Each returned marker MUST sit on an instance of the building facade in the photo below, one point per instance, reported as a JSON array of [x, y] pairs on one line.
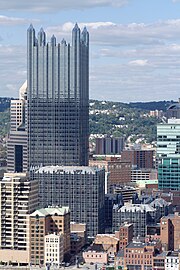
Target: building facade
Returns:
[[170, 231], [79, 187], [168, 154], [57, 99], [17, 139], [125, 234], [140, 215], [119, 173], [45, 222], [18, 198], [140, 159], [54, 249], [109, 145]]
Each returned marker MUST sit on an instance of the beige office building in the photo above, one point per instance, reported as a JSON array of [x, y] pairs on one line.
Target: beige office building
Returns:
[[47, 221], [18, 198], [54, 249]]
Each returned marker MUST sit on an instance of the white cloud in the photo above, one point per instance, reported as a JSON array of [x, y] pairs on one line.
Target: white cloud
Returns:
[[139, 62], [13, 69], [54, 5], [111, 34], [12, 21], [125, 60]]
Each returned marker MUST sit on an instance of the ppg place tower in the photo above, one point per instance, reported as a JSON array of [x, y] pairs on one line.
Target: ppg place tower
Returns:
[[57, 99]]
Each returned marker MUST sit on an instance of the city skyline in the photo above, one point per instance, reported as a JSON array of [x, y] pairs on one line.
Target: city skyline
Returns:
[[136, 40]]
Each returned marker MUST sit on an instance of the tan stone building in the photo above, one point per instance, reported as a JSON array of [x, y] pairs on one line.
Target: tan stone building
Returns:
[[18, 198], [109, 243], [47, 221]]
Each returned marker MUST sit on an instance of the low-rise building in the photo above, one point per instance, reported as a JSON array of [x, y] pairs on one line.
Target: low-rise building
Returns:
[[95, 254], [78, 236], [125, 235], [54, 249], [110, 244], [139, 255], [172, 261]]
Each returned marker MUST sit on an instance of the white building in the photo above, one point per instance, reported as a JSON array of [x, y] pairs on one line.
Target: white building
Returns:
[[172, 261], [54, 251]]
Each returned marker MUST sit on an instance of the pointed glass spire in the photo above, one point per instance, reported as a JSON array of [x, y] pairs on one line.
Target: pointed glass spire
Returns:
[[31, 27], [63, 42], [53, 40], [76, 27], [85, 36], [42, 37]]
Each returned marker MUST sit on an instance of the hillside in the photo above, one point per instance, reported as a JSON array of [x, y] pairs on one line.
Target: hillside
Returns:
[[119, 119], [107, 117]]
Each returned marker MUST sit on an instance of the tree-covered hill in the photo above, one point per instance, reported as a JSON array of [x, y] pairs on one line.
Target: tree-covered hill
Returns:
[[107, 117]]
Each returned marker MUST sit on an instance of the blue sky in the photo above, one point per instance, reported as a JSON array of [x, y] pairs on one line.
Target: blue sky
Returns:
[[134, 44]]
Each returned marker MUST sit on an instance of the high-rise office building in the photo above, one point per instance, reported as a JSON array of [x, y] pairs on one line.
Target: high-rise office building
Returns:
[[109, 145], [168, 154], [58, 99], [17, 140], [18, 198], [79, 187]]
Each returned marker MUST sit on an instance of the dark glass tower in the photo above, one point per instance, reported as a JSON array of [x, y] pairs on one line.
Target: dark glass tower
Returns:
[[58, 99]]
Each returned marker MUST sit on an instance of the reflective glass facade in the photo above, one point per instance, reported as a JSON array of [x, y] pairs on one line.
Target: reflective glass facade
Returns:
[[168, 154], [58, 99]]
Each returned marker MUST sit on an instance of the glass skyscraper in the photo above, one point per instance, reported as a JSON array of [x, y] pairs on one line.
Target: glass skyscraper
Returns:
[[58, 99], [168, 154]]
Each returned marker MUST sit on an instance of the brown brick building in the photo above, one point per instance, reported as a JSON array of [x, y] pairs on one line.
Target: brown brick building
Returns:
[[138, 256], [141, 159], [125, 235], [119, 173], [170, 231], [47, 221]]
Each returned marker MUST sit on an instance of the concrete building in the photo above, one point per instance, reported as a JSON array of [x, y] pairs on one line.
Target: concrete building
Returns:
[[173, 111], [128, 193], [170, 231], [140, 215], [17, 139], [163, 208], [58, 99], [54, 249], [79, 187], [18, 198], [78, 236], [143, 175], [172, 261], [140, 159], [110, 200], [109, 145], [168, 154], [47, 221]]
